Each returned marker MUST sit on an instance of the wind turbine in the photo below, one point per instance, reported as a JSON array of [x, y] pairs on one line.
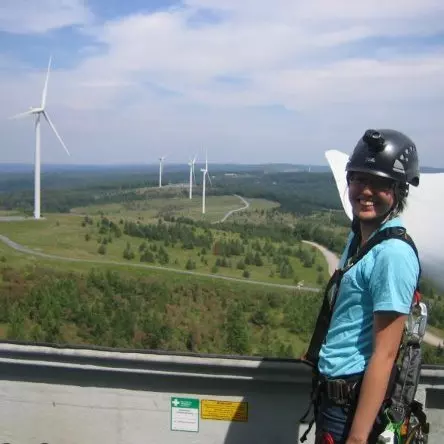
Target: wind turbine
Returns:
[[205, 174], [161, 159], [192, 174], [38, 113]]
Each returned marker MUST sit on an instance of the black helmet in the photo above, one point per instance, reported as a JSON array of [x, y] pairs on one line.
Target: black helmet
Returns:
[[386, 153]]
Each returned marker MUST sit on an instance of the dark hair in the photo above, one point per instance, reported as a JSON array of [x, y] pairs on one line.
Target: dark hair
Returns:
[[401, 191]]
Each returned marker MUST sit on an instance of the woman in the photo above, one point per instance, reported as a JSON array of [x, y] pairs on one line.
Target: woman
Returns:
[[374, 296]]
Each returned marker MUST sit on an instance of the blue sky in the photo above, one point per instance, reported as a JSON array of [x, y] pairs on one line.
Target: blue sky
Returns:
[[251, 81]]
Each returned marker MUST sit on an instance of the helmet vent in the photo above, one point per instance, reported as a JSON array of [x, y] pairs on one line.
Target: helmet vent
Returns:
[[398, 166]]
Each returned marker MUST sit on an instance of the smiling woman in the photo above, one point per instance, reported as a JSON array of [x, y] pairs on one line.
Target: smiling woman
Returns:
[[373, 296]]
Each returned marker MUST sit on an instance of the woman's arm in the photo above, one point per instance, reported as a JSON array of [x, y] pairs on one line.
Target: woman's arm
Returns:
[[388, 329]]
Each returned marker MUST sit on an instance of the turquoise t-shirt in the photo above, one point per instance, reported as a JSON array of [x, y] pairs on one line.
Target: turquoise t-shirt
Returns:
[[383, 280]]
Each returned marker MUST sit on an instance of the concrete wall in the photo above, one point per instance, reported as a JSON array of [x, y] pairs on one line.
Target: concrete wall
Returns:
[[67, 396]]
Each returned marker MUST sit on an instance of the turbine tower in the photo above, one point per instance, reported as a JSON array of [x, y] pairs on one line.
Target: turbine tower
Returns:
[[38, 113], [161, 159], [192, 174], [205, 174]]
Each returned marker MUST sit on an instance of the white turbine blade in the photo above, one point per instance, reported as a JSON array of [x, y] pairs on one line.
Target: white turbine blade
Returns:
[[45, 88], [209, 178], [21, 115], [421, 219], [337, 162], [55, 131]]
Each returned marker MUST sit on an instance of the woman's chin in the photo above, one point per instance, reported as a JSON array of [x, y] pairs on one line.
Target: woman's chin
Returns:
[[366, 215]]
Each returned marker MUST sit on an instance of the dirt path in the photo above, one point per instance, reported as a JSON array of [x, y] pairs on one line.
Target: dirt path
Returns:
[[229, 213], [330, 257]]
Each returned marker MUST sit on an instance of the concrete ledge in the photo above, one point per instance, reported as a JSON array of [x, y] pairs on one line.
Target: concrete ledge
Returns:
[[174, 364], [150, 362], [91, 394]]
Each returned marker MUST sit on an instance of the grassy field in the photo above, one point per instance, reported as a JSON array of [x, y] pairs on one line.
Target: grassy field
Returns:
[[10, 258], [8, 213], [153, 207], [63, 235]]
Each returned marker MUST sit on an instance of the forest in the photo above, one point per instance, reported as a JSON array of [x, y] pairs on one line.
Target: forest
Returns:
[[106, 308], [111, 309]]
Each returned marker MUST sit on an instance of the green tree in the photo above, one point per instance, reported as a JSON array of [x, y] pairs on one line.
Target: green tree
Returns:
[[190, 265], [258, 260], [237, 331], [128, 253], [147, 256]]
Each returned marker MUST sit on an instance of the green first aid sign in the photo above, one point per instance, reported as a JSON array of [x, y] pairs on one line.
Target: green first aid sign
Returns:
[[185, 414]]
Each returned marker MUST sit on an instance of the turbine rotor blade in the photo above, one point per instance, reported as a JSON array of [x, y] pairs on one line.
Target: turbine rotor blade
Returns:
[[55, 131], [22, 115], [209, 178], [45, 88]]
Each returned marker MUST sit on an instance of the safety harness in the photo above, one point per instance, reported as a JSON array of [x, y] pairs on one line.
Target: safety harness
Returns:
[[399, 403]]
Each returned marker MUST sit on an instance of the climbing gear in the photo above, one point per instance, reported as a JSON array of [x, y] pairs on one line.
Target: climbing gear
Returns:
[[326, 438], [416, 426], [386, 153], [401, 404], [340, 391], [404, 379]]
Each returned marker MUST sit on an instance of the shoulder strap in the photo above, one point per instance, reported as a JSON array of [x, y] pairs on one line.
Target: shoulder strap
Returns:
[[385, 234]]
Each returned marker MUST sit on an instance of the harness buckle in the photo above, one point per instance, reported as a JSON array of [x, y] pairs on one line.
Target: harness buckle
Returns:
[[339, 391]]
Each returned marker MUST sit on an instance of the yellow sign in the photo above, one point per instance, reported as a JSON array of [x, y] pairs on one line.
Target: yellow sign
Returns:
[[224, 410]]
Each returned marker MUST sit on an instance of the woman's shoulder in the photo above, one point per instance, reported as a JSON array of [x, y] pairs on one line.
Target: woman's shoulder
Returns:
[[394, 248], [395, 255]]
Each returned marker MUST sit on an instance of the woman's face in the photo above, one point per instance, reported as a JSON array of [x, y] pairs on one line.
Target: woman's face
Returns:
[[371, 197]]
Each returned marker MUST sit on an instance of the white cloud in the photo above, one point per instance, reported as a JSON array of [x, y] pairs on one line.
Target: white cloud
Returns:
[[39, 16], [155, 79]]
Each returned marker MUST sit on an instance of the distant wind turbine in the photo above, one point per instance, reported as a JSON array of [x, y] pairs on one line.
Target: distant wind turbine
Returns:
[[161, 159], [38, 113], [205, 175], [192, 174]]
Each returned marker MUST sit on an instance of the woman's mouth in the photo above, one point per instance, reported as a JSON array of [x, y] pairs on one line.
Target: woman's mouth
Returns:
[[366, 204]]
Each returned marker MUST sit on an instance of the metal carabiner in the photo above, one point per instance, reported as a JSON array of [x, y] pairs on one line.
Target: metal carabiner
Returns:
[[416, 327]]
